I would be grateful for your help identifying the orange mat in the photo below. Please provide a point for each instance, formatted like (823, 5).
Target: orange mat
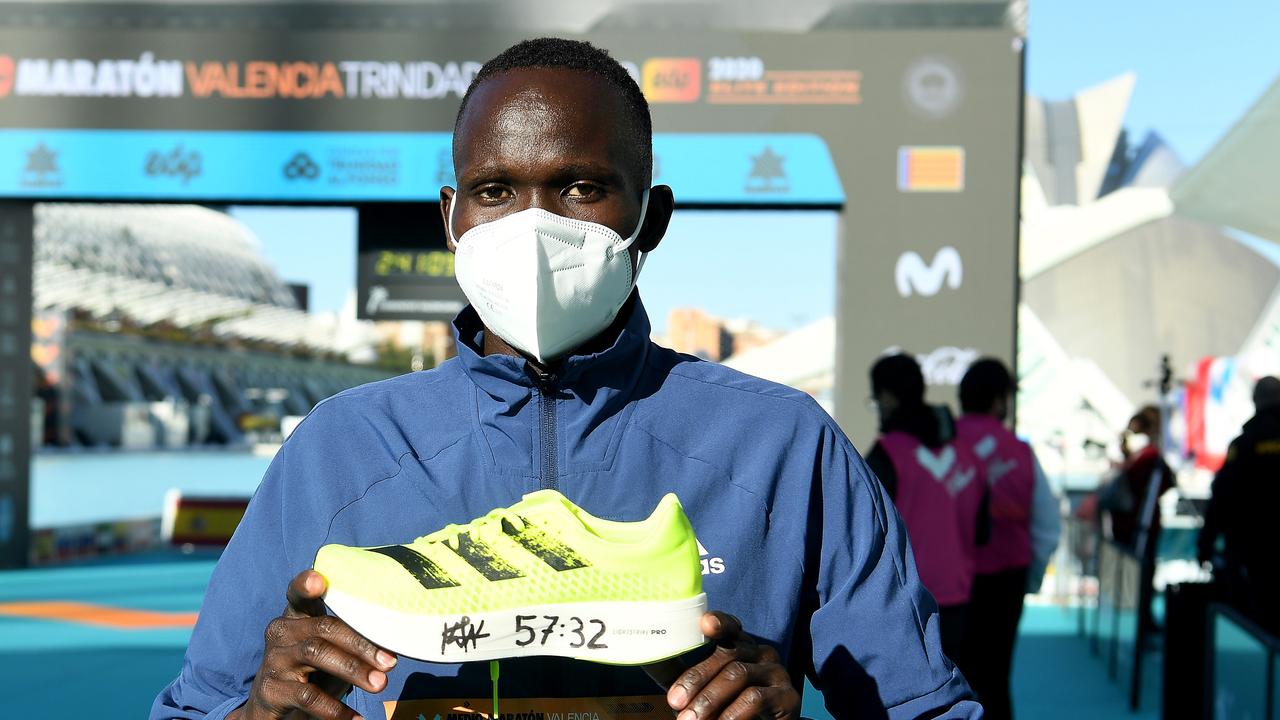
(99, 615)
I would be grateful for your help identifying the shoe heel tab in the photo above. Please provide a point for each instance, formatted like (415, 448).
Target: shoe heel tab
(670, 513)
(668, 507)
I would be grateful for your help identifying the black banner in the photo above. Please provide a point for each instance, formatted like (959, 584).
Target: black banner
(15, 381)
(922, 126)
(405, 270)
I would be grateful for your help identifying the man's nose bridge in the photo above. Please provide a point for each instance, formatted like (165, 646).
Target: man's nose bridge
(541, 198)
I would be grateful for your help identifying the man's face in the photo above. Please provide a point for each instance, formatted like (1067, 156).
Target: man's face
(1000, 407)
(553, 139)
(886, 403)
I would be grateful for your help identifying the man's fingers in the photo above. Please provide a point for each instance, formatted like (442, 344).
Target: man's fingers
(665, 672)
(335, 631)
(691, 682)
(734, 679)
(304, 594)
(721, 626)
(315, 653)
(318, 704)
(733, 644)
(768, 656)
(778, 703)
(287, 631)
(688, 685)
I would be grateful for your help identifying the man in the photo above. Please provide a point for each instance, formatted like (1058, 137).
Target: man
(1128, 499)
(1131, 498)
(1241, 511)
(553, 136)
(1025, 527)
(938, 488)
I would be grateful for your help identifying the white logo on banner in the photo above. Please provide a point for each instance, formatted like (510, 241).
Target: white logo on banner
(913, 276)
(377, 296)
(946, 365)
(933, 86)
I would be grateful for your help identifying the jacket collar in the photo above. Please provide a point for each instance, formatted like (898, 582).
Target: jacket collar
(618, 365)
(983, 420)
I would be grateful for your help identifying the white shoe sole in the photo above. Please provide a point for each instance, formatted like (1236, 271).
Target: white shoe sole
(615, 633)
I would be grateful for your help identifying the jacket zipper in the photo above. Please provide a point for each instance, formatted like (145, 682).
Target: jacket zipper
(547, 404)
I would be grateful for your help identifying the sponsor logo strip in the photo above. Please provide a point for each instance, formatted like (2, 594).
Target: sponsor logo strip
(705, 168)
(791, 87)
(430, 575)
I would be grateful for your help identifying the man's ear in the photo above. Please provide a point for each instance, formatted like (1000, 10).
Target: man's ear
(656, 218)
(447, 195)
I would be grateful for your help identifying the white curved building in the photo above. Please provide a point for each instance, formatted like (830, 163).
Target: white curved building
(182, 264)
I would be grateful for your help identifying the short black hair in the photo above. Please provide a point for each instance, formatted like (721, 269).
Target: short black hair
(901, 376)
(1266, 394)
(1148, 419)
(549, 52)
(985, 381)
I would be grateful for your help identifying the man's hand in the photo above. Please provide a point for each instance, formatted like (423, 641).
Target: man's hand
(312, 659)
(740, 681)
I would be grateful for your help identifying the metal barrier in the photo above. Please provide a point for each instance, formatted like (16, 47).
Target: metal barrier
(1112, 620)
(1241, 672)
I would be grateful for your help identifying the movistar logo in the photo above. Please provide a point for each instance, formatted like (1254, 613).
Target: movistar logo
(913, 276)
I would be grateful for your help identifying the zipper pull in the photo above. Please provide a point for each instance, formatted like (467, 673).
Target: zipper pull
(545, 381)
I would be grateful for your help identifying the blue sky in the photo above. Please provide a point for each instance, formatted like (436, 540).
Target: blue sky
(313, 245)
(1199, 67)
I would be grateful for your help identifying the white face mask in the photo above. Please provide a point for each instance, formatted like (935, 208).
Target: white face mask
(1138, 442)
(545, 283)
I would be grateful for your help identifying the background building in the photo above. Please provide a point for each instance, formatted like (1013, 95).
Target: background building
(163, 326)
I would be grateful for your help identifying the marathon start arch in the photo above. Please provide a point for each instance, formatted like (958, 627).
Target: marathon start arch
(910, 135)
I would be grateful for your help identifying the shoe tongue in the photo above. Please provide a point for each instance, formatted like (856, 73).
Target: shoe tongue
(549, 502)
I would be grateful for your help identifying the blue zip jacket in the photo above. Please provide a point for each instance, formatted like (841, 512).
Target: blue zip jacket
(801, 542)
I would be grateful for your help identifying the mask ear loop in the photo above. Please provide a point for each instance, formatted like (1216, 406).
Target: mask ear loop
(448, 224)
(640, 256)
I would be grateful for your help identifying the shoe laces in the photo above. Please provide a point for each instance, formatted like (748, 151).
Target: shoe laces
(484, 526)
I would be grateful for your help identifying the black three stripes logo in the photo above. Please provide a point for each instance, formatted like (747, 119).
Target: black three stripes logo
(482, 557)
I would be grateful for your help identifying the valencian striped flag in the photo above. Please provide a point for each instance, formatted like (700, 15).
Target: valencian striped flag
(923, 168)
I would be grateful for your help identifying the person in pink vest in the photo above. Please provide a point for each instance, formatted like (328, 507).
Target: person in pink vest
(938, 488)
(1025, 526)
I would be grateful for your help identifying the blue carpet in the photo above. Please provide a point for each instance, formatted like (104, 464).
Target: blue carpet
(67, 670)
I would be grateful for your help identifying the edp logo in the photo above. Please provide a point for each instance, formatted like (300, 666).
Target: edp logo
(177, 163)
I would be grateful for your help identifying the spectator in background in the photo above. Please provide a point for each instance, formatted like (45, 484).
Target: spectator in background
(1129, 499)
(938, 488)
(1025, 526)
(1127, 496)
(1241, 510)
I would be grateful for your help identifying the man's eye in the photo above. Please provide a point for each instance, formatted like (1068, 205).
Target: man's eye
(582, 190)
(494, 192)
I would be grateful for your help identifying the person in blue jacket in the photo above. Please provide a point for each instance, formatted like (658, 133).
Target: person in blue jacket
(557, 385)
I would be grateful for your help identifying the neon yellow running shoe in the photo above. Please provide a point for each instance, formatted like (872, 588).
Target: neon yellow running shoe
(542, 577)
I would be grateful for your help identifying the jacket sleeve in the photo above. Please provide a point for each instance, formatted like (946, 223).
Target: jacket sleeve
(876, 648)
(1220, 501)
(1046, 527)
(286, 520)
(881, 467)
(245, 592)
